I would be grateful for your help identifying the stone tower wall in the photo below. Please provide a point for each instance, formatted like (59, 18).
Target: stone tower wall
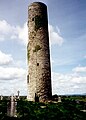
(39, 72)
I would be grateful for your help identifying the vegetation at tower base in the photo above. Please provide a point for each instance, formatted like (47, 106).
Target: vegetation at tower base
(37, 48)
(68, 109)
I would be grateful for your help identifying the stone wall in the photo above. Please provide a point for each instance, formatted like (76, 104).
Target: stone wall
(39, 71)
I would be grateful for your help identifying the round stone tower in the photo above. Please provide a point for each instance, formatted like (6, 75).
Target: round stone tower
(38, 54)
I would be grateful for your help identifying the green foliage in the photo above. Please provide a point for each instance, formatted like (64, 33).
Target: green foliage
(38, 22)
(68, 109)
(28, 54)
(37, 48)
(3, 108)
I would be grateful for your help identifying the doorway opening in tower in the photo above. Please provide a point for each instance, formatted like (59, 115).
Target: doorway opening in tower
(36, 98)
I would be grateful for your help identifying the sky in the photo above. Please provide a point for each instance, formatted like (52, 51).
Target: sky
(67, 37)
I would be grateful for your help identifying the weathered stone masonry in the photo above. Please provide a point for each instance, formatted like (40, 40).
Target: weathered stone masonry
(39, 71)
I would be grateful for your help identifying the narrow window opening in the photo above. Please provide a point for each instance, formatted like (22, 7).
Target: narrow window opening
(37, 64)
(27, 78)
(32, 19)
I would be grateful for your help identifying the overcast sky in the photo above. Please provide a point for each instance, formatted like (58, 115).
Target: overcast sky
(67, 35)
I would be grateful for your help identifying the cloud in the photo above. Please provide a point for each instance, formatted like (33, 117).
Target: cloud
(23, 33)
(9, 87)
(12, 73)
(5, 59)
(12, 77)
(61, 83)
(10, 32)
(7, 31)
(55, 37)
(68, 83)
(79, 69)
